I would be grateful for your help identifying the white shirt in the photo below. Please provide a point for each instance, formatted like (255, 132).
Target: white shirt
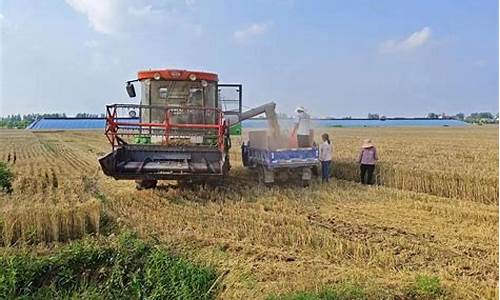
(325, 151)
(304, 121)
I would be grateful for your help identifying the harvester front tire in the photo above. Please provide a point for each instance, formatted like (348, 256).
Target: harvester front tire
(145, 184)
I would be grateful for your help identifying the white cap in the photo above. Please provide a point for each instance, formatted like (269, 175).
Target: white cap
(300, 108)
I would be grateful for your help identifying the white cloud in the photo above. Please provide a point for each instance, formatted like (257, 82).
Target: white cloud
(100, 13)
(414, 41)
(115, 16)
(252, 30)
(141, 11)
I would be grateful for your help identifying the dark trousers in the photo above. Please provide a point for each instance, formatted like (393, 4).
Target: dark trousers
(325, 170)
(367, 173)
(303, 141)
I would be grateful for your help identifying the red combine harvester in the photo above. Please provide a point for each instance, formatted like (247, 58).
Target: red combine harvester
(179, 131)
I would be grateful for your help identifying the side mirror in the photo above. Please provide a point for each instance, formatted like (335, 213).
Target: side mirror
(130, 90)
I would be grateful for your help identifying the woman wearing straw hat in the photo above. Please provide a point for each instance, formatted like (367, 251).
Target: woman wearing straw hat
(367, 159)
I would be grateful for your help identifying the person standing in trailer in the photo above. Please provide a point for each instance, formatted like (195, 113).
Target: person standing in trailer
(303, 128)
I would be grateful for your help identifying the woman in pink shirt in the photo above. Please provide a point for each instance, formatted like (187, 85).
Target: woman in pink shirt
(367, 159)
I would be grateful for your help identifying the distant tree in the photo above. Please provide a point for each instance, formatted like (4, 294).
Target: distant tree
(86, 116)
(486, 115)
(18, 121)
(481, 117)
(373, 116)
(13, 121)
(460, 116)
(432, 116)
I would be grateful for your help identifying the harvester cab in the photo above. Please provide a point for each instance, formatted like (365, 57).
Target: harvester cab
(179, 131)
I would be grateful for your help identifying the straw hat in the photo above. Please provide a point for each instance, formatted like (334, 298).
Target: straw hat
(367, 143)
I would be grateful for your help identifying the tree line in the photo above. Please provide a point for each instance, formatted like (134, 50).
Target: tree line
(22, 121)
(477, 117)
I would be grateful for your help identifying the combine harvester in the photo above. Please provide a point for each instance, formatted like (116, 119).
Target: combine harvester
(179, 131)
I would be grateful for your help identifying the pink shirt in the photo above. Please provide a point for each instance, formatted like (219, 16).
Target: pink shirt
(368, 156)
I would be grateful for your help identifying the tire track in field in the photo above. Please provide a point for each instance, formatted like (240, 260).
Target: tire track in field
(55, 153)
(68, 154)
(409, 247)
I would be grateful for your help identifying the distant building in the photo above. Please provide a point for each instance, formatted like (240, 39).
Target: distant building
(71, 123)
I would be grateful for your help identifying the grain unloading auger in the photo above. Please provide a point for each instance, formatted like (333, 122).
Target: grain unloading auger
(179, 131)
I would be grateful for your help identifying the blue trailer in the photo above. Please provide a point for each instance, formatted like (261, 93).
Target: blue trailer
(294, 161)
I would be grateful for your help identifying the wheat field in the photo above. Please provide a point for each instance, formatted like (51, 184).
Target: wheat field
(450, 162)
(435, 212)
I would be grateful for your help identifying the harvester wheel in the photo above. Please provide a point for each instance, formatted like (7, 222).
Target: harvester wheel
(145, 184)
(220, 182)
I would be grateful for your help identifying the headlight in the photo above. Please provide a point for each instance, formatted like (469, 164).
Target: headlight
(192, 77)
(204, 83)
(157, 76)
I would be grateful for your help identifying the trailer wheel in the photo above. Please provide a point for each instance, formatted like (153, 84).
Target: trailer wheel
(315, 171)
(145, 184)
(266, 176)
(260, 176)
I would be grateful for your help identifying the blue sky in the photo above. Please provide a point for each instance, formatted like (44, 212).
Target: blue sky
(336, 58)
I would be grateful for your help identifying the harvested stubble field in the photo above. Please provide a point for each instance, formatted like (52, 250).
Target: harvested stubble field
(435, 215)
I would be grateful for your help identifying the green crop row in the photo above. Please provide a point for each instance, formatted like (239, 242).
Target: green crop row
(123, 268)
